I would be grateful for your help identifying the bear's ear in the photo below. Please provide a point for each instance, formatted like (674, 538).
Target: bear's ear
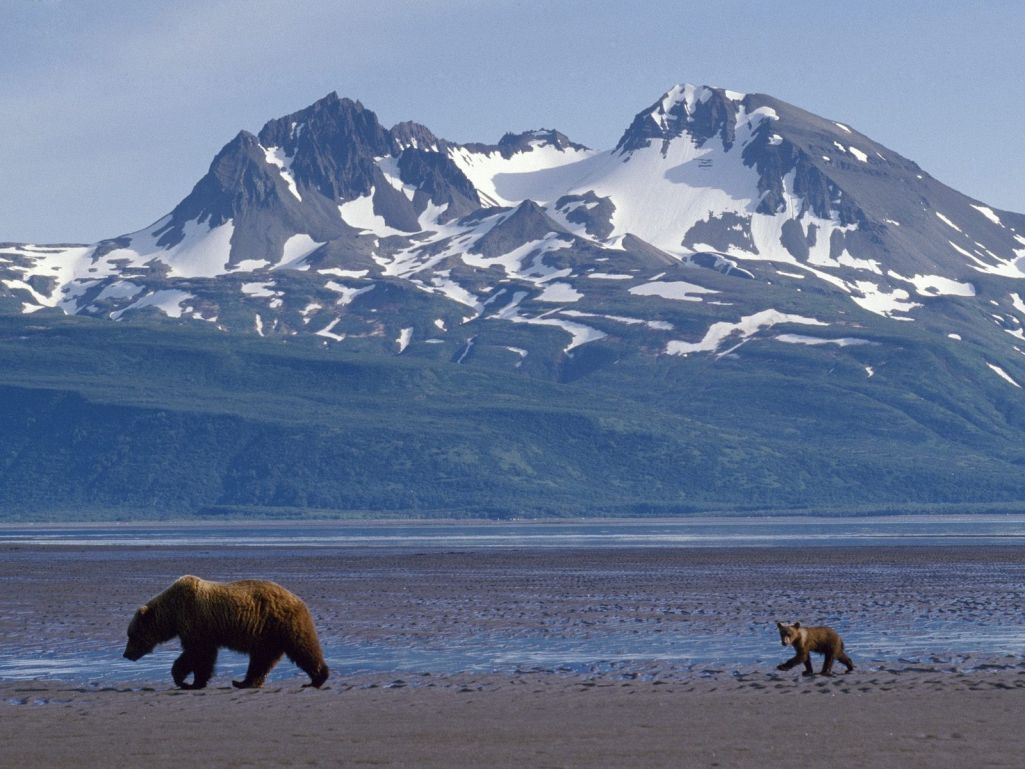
(797, 624)
(779, 624)
(143, 610)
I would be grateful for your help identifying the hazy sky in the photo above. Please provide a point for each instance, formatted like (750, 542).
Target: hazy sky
(111, 111)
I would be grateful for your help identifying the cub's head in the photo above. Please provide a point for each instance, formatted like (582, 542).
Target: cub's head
(788, 633)
(142, 634)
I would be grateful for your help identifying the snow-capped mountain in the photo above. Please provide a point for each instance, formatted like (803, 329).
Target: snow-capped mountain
(716, 217)
(738, 306)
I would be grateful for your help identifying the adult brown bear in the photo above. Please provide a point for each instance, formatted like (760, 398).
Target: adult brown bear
(252, 616)
(820, 639)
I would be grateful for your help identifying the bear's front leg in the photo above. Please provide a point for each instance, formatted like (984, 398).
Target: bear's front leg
(199, 662)
(181, 669)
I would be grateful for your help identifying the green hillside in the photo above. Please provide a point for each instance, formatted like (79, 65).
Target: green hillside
(118, 420)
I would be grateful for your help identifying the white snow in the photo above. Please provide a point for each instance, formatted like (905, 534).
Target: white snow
(440, 324)
(559, 293)
(168, 301)
(609, 276)
(842, 127)
(653, 324)
(359, 213)
(514, 262)
(1003, 374)
(863, 157)
(249, 265)
(955, 337)
(936, 285)
(542, 174)
(328, 331)
(265, 289)
(202, 253)
(843, 341)
(340, 273)
(1017, 303)
(121, 289)
(258, 323)
(874, 299)
(405, 335)
(295, 250)
(870, 371)
(348, 294)
(947, 221)
(739, 332)
(676, 289)
(277, 157)
(518, 351)
(989, 213)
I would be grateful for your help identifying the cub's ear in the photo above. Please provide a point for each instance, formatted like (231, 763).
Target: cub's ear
(779, 624)
(797, 624)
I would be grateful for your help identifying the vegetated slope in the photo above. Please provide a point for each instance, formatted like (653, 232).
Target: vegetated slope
(137, 421)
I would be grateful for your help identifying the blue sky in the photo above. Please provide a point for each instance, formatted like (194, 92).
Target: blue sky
(111, 111)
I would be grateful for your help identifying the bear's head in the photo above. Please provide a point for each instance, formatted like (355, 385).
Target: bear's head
(788, 633)
(143, 634)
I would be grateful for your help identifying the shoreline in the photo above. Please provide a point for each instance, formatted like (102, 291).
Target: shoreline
(937, 633)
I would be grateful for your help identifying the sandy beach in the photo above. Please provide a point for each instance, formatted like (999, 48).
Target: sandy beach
(954, 701)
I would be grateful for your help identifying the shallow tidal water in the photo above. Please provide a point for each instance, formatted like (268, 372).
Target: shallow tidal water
(621, 598)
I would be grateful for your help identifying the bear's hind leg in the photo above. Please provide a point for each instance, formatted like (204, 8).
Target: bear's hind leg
(261, 661)
(844, 659)
(309, 659)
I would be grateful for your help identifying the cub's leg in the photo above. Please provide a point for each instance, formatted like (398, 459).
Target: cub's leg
(808, 669)
(827, 664)
(260, 663)
(797, 659)
(845, 660)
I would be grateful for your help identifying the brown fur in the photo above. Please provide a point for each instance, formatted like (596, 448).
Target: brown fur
(253, 616)
(821, 640)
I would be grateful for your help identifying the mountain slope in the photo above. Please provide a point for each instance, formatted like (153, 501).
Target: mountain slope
(741, 303)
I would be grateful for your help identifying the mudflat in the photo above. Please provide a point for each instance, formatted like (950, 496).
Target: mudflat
(936, 634)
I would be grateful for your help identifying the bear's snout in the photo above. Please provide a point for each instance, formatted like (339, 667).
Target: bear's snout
(132, 654)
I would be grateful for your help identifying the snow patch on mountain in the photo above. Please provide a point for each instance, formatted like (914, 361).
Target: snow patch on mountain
(843, 341)
(935, 285)
(739, 332)
(1003, 374)
(168, 301)
(560, 293)
(542, 174)
(360, 214)
(277, 157)
(679, 290)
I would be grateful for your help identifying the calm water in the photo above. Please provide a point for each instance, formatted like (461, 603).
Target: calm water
(694, 532)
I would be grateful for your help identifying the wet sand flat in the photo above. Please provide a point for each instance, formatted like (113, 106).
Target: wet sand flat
(937, 634)
(535, 721)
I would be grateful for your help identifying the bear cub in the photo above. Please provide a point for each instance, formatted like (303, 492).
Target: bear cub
(252, 616)
(820, 639)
